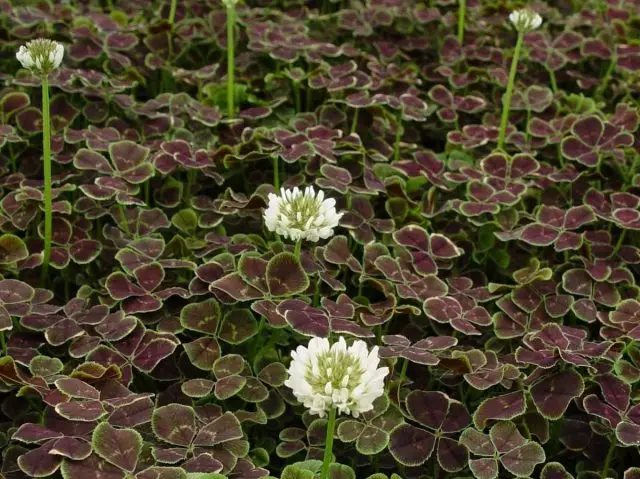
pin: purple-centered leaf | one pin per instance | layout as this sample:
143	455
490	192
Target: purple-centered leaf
175	424
410	445
506	406
615	391
484	468
429	408
505	436
120	447
304	319
81	410
522	461
552	395
223	429
93	467
40	462
554	470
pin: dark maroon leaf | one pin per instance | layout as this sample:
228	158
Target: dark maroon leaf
553	394
410	445
506	406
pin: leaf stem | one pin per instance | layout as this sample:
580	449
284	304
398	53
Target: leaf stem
616	250
231	25
403	375
125	220
48	200
296	92
607	460
328	446
506	104
354	122
316	293
396	145
191	180
147	193
3	342
172	12
604	83
634	167
462	12
276	172
553	81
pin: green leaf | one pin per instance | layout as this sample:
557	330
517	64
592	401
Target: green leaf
12	249
238	325
185	220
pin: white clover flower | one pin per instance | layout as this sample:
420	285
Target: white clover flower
347	378
301	216
525	20
41	56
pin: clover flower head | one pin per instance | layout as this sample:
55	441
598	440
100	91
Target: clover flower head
525	20
301	215
41	56
324	376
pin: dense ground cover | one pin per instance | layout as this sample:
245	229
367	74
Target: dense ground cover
490	253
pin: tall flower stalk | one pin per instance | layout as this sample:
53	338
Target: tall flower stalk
231	26
335	379
42	56
48	200
328	444
462	13
524	22
172	12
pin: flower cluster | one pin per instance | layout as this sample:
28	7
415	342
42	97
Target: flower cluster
301	216
323	377
525	20
41	56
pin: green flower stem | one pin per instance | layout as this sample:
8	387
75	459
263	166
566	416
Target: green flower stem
3	342
48	200
231	25
298	249
276	172
172	12
506	105
328	445
462	12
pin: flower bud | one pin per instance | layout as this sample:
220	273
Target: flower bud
41	56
